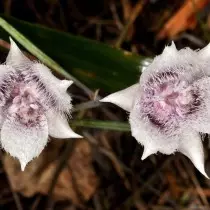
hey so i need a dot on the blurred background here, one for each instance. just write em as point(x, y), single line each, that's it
point(103, 44)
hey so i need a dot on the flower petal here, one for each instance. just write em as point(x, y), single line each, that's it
point(200, 119)
point(123, 98)
point(7, 80)
point(16, 58)
point(147, 152)
point(55, 87)
point(205, 51)
point(171, 49)
point(152, 138)
point(183, 63)
point(59, 127)
point(24, 142)
point(191, 146)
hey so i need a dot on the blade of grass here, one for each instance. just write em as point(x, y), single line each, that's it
point(107, 125)
point(41, 55)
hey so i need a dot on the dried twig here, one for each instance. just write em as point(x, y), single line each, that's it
point(15, 195)
point(62, 162)
point(115, 15)
point(36, 202)
point(110, 154)
point(183, 19)
point(147, 183)
point(134, 14)
point(195, 182)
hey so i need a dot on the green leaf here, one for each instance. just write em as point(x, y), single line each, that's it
point(106, 125)
point(95, 64)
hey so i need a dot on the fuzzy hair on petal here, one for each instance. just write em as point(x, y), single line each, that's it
point(200, 119)
point(183, 63)
point(7, 80)
point(123, 98)
point(205, 52)
point(56, 88)
point(170, 49)
point(24, 142)
point(204, 56)
point(153, 139)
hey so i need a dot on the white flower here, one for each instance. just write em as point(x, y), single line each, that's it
point(170, 106)
point(33, 105)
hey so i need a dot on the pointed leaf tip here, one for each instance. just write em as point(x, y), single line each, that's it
point(23, 165)
point(13, 45)
point(65, 84)
point(11, 40)
point(75, 135)
point(59, 127)
point(203, 172)
point(106, 99)
point(15, 56)
point(147, 152)
point(173, 45)
point(123, 98)
point(194, 150)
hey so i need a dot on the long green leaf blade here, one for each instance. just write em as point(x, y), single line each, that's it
point(95, 64)
point(39, 54)
point(106, 125)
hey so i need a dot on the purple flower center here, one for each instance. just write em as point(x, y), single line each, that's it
point(167, 100)
point(25, 104)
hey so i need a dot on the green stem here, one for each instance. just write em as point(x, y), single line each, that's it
point(107, 125)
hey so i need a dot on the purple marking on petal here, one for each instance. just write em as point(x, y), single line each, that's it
point(25, 105)
point(167, 100)
point(50, 99)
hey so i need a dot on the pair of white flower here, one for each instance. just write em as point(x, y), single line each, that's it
point(169, 106)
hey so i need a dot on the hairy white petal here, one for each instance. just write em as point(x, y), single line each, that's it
point(204, 57)
point(191, 146)
point(5, 70)
point(170, 49)
point(205, 52)
point(24, 142)
point(16, 58)
point(56, 87)
point(123, 98)
point(59, 127)
point(7, 79)
point(2, 117)
point(200, 120)
point(184, 63)
point(152, 138)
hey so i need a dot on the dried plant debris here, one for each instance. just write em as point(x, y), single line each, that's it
point(78, 176)
point(184, 19)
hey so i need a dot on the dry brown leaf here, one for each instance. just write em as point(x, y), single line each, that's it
point(183, 19)
point(127, 9)
point(38, 174)
point(174, 188)
point(208, 21)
